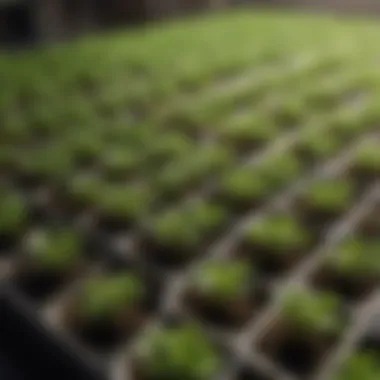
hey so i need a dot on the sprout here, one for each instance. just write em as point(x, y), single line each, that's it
point(368, 157)
point(188, 226)
point(313, 311)
point(282, 169)
point(318, 145)
point(224, 280)
point(129, 203)
point(55, 249)
point(363, 366)
point(105, 297)
point(357, 258)
point(13, 212)
point(178, 353)
point(248, 127)
point(330, 195)
point(245, 183)
point(279, 232)
point(290, 113)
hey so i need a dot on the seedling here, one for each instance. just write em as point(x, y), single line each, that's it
point(13, 214)
point(290, 113)
point(55, 250)
point(244, 187)
point(281, 170)
point(319, 314)
point(367, 160)
point(105, 298)
point(188, 354)
point(331, 196)
point(352, 269)
point(184, 230)
point(223, 292)
point(278, 234)
point(120, 163)
point(193, 170)
point(356, 258)
point(247, 131)
point(276, 243)
point(364, 365)
point(315, 146)
point(224, 281)
point(126, 204)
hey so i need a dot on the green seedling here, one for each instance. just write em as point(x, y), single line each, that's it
point(245, 184)
point(318, 146)
point(178, 353)
point(187, 227)
point(248, 128)
point(280, 233)
point(58, 250)
point(330, 195)
point(281, 170)
point(368, 158)
point(129, 203)
point(364, 365)
point(313, 312)
point(225, 281)
point(104, 298)
point(357, 258)
point(13, 213)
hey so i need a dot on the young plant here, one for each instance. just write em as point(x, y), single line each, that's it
point(276, 243)
point(247, 130)
point(364, 365)
point(356, 258)
point(280, 170)
point(244, 187)
point(278, 234)
point(346, 124)
point(315, 146)
point(184, 230)
point(329, 197)
point(367, 160)
point(106, 299)
point(223, 281)
point(188, 354)
point(193, 169)
point(223, 292)
point(316, 313)
point(120, 163)
point(124, 204)
point(14, 215)
point(55, 250)
point(290, 113)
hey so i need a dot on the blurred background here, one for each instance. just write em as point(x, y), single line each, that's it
point(29, 22)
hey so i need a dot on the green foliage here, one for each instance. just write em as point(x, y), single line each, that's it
point(355, 257)
point(280, 170)
point(331, 195)
point(364, 366)
point(179, 353)
point(187, 227)
point(245, 184)
point(315, 312)
point(317, 145)
point(250, 127)
point(125, 202)
point(55, 249)
point(13, 212)
point(194, 168)
point(226, 281)
point(368, 157)
point(279, 232)
point(105, 297)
